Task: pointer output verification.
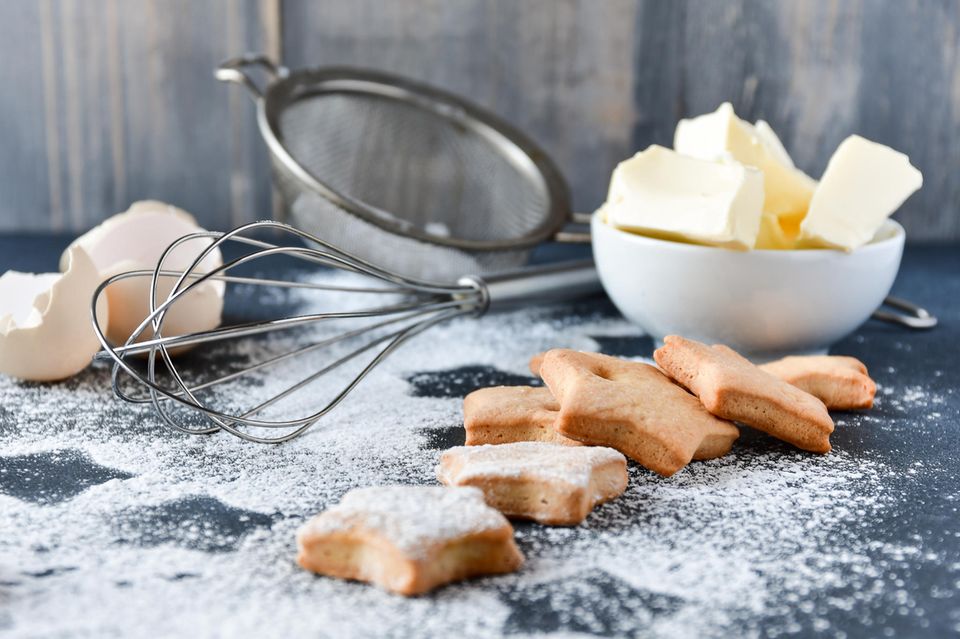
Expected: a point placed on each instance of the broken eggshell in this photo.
(135, 240)
(45, 331)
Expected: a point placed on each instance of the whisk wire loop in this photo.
(417, 305)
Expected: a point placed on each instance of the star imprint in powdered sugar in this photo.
(54, 476)
(197, 522)
(460, 382)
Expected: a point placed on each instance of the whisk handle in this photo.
(541, 284)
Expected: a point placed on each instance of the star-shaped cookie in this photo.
(548, 483)
(409, 539)
(842, 383)
(504, 414)
(731, 387)
(634, 408)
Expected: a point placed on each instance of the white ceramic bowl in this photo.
(761, 303)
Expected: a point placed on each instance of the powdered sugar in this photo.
(413, 519)
(571, 465)
(766, 540)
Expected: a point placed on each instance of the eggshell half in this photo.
(135, 240)
(45, 320)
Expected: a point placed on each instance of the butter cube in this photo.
(664, 194)
(865, 182)
(722, 134)
(772, 142)
(778, 233)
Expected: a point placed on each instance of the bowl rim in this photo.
(897, 237)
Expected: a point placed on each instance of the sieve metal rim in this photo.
(286, 87)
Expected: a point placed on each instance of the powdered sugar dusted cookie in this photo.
(505, 414)
(842, 383)
(549, 483)
(730, 386)
(409, 539)
(634, 408)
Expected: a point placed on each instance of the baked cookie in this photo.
(731, 387)
(842, 383)
(409, 539)
(535, 362)
(715, 443)
(504, 414)
(548, 483)
(634, 408)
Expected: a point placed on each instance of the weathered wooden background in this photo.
(109, 101)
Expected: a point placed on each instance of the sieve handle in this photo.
(237, 70)
(567, 236)
(537, 285)
(913, 316)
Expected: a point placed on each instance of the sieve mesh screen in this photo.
(421, 170)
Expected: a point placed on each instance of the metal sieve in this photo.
(403, 174)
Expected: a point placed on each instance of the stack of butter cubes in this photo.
(732, 184)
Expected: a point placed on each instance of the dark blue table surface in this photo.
(926, 512)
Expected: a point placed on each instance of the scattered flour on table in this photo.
(762, 540)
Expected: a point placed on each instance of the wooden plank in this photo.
(115, 101)
(909, 97)
(26, 203)
(192, 140)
